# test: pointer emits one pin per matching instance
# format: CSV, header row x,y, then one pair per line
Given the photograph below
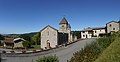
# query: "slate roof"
x,y
9,40
18,40
63,21
95,28
69,26
111,21
50,27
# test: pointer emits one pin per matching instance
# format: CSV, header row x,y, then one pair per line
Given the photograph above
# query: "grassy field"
x,y
112,53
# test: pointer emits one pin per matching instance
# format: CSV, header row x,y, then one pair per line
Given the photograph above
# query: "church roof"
x,y
69,26
111,21
63,21
50,27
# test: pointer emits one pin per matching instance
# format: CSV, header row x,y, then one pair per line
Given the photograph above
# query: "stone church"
x,y
51,37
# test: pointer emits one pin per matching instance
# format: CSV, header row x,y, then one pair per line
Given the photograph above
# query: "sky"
x,y
24,16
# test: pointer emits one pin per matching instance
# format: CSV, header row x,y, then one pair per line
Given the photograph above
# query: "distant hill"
x,y
17,35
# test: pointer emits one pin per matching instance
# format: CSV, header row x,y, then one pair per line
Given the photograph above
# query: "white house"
x,y
99,30
92,32
86,33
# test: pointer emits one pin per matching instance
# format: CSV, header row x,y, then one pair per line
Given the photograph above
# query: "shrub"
x,y
88,54
48,59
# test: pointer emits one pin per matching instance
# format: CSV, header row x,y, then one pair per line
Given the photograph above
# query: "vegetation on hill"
x,y
48,59
17,35
112,53
93,51
36,38
1,37
76,33
31,39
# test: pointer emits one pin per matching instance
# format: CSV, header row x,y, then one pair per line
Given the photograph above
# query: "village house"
x,y
110,27
18,42
113,26
13,43
92,32
51,37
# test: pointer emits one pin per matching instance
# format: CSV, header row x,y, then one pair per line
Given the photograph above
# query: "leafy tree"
x,y
76,33
1,37
48,59
27,38
36,38
26,44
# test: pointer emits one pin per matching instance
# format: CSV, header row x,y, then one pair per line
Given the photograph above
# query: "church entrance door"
x,y
48,44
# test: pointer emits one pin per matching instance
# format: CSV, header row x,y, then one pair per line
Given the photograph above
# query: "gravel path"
x,y
63,54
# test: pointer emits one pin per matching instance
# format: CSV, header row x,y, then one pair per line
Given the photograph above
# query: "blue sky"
x,y
24,16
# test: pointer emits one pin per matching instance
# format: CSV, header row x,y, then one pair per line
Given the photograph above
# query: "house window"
x,y
95,31
83,31
110,25
113,28
83,35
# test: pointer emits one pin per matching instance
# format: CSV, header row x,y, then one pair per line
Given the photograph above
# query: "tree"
x,y
27,38
36,38
26,44
1,37
76,33
48,59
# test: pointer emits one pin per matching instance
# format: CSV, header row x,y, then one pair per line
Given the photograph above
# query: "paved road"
x,y
63,54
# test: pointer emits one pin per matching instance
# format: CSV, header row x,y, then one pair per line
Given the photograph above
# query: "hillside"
x,y
112,53
17,35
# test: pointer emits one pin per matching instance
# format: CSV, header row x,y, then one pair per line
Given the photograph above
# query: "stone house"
x,y
8,42
13,43
51,37
18,42
110,27
113,26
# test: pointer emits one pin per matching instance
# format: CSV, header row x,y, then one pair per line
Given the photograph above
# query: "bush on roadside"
x,y
48,59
